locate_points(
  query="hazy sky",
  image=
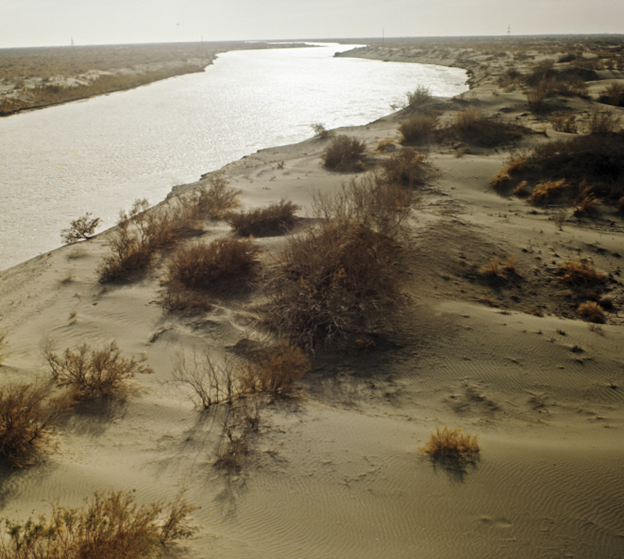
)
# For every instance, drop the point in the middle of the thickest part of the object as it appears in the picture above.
(55, 22)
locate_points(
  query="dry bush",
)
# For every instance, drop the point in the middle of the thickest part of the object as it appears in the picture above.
(536, 98)
(406, 168)
(343, 153)
(562, 122)
(613, 95)
(28, 417)
(419, 129)
(580, 273)
(604, 123)
(275, 370)
(80, 229)
(586, 200)
(596, 159)
(473, 127)
(329, 281)
(135, 240)
(545, 191)
(206, 266)
(274, 219)
(385, 145)
(108, 526)
(521, 190)
(592, 312)
(500, 179)
(419, 97)
(93, 373)
(375, 201)
(210, 382)
(321, 132)
(217, 200)
(494, 270)
(516, 165)
(452, 443)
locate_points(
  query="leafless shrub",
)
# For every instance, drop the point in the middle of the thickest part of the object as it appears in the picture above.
(217, 200)
(613, 95)
(407, 168)
(28, 416)
(475, 128)
(580, 273)
(419, 97)
(210, 382)
(108, 525)
(275, 370)
(80, 229)
(545, 191)
(89, 373)
(321, 132)
(592, 312)
(274, 219)
(419, 129)
(562, 122)
(343, 153)
(604, 123)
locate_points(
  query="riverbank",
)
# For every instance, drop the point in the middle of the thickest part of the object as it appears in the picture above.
(487, 336)
(36, 78)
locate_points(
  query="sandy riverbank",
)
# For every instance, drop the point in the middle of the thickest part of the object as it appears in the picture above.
(336, 472)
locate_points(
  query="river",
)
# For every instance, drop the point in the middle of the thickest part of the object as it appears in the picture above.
(102, 153)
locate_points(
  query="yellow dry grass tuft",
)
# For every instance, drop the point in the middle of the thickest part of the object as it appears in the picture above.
(592, 312)
(580, 273)
(451, 442)
(546, 191)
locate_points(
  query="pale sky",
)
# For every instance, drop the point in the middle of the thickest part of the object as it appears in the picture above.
(55, 22)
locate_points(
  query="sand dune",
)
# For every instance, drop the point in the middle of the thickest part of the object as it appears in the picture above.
(336, 470)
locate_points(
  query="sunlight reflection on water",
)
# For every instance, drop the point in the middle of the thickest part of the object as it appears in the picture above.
(101, 154)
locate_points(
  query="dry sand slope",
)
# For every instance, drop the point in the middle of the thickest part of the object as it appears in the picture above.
(336, 471)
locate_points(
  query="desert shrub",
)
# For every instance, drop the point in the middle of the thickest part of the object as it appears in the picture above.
(586, 200)
(580, 273)
(521, 190)
(275, 370)
(473, 127)
(385, 145)
(108, 526)
(377, 202)
(80, 229)
(135, 240)
(604, 123)
(591, 312)
(613, 95)
(28, 417)
(494, 270)
(500, 179)
(329, 280)
(320, 131)
(596, 159)
(407, 168)
(205, 266)
(274, 219)
(419, 129)
(545, 191)
(536, 98)
(93, 373)
(452, 443)
(562, 122)
(211, 382)
(419, 97)
(214, 202)
(343, 153)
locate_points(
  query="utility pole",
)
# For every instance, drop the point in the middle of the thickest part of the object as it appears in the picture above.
(508, 30)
